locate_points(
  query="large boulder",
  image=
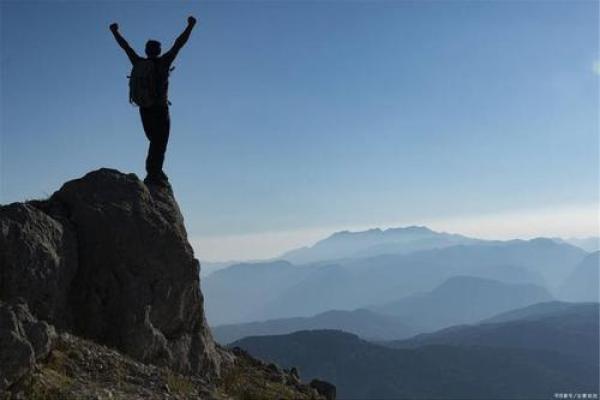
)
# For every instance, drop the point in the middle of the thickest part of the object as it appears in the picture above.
(107, 258)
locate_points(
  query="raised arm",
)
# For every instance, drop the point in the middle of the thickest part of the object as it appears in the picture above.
(133, 57)
(181, 39)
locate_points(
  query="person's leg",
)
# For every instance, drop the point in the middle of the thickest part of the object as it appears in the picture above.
(157, 125)
(148, 121)
(162, 138)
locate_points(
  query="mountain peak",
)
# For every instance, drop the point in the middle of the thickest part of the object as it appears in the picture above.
(383, 232)
(373, 242)
(347, 233)
(410, 229)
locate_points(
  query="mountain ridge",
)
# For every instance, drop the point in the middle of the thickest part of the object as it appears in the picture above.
(463, 299)
(363, 370)
(571, 330)
(347, 244)
(379, 279)
(362, 322)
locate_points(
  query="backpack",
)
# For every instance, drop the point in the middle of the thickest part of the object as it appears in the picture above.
(142, 84)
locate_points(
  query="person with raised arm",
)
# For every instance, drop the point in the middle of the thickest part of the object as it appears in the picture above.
(148, 89)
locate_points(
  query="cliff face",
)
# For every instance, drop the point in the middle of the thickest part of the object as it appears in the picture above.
(105, 260)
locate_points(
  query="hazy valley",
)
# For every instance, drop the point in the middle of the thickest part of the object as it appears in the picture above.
(413, 313)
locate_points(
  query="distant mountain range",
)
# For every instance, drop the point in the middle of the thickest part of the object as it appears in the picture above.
(462, 300)
(402, 240)
(568, 328)
(363, 370)
(279, 289)
(538, 311)
(364, 323)
(375, 242)
(485, 314)
(458, 300)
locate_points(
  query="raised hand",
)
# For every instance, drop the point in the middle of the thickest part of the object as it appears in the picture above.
(114, 27)
(191, 20)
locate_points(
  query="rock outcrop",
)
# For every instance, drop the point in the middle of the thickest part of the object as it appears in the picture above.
(107, 258)
(325, 388)
(106, 261)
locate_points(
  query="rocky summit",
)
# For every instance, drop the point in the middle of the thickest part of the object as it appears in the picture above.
(100, 298)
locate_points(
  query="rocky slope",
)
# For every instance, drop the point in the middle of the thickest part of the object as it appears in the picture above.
(102, 274)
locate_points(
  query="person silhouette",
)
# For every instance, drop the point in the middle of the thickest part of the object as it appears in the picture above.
(149, 84)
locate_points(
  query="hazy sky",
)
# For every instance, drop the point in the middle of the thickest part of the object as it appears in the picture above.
(293, 119)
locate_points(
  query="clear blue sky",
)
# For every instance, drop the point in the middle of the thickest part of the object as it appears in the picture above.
(291, 116)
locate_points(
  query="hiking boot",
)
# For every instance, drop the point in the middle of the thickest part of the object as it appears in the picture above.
(159, 179)
(150, 180)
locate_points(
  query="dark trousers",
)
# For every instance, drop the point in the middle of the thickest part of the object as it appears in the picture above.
(157, 125)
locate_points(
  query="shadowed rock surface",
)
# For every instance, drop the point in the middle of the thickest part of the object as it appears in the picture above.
(107, 258)
(106, 261)
(38, 259)
(23, 341)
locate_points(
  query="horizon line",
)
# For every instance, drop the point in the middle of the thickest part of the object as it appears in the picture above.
(578, 221)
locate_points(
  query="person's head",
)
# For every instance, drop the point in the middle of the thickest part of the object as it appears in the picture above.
(153, 48)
